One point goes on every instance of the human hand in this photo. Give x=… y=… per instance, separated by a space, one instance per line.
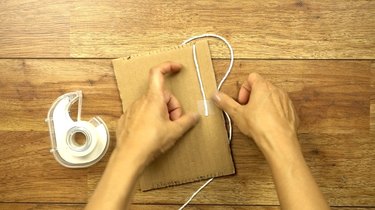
x=264 y=112
x=154 y=122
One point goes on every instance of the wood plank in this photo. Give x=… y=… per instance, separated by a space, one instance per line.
x=372 y=102
x=29 y=87
x=29 y=171
x=40 y=206
x=330 y=96
x=34 y=28
x=107 y=29
x=339 y=162
x=21 y=206
x=276 y=29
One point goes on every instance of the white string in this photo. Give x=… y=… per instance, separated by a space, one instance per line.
x=200 y=81
x=195 y=193
x=229 y=69
x=204 y=95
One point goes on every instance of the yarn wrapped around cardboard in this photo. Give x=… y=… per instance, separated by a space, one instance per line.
x=204 y=152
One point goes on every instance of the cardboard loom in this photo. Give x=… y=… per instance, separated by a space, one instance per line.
x=204 y=151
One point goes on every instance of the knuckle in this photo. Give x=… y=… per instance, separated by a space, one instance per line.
x=245 y=86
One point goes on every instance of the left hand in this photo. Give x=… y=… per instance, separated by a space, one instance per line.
x=154 y=122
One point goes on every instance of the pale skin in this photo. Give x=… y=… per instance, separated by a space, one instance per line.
x=263 y=112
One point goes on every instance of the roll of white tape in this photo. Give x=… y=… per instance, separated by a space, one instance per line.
x=63 y=130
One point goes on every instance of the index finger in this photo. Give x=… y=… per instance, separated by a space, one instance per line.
x=246 y=87
x=157 y=73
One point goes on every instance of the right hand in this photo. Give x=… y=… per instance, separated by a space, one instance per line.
x=264 y=113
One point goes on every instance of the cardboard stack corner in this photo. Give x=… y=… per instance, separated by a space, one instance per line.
x=204 y=151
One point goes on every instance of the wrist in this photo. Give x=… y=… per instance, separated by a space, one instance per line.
x=118 y=180
x=283 y=147
x=128 y=156
x=284 y=160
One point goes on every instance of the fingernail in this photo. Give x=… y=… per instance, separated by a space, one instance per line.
x=216 y=97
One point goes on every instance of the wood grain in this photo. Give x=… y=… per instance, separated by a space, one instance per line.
x=40 y=206
x=257 y=29
x=21 y=206
x=372 y=106
x=335 y=99
x=275 y=29
x=34 y=28
x=332 y=99
x=30 y=173
x=330 y=96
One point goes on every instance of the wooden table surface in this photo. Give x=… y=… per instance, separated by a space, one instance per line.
x=322 y=52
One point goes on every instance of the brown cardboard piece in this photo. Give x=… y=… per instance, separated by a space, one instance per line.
x=204 y=151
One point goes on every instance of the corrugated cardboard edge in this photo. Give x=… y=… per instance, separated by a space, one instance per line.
x=186 y=181
x=165 y=49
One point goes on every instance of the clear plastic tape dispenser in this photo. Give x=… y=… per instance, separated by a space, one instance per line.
x=63 y=130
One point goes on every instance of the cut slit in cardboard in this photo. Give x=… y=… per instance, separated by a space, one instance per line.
x=203 y=152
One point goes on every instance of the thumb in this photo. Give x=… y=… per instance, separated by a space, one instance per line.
x=183 y=124
x=226 y=103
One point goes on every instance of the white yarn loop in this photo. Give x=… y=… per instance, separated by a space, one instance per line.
x=229 y=69
x=230 y=130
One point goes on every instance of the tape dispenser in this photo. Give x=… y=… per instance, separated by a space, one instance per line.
x=64 y=130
